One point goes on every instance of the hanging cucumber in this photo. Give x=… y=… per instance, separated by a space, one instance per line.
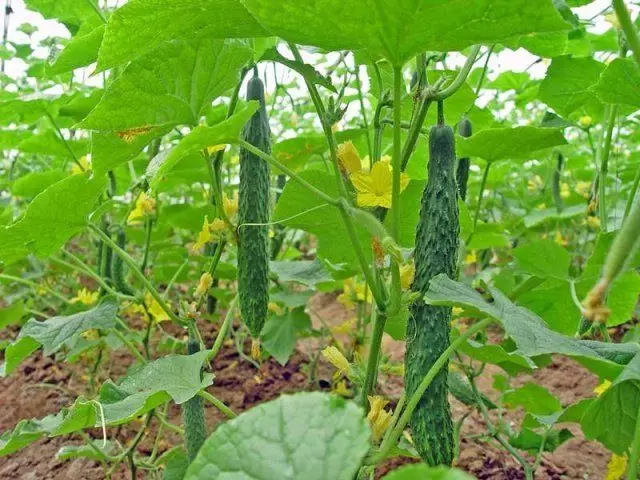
x=118 y=274
x=555 y=182
x=195 y=425
x=253 y=211
x=428 y=327
x=462 y=172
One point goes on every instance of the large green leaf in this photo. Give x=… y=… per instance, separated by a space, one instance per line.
x=141 y=25
x=33 y=183
x=81 y=51
x=49 y=143
x=201 y=137
x=55 y=332
x=399 y=29
x=302 y=209
x=544 y=258
x=67 y=11
x=620 y=83
x=306 y=272
x=569 y=83
x=172 y=85
x=509 y=143
x=424 y=472
x=51 y=219
x=529 y=331
x=314 y=436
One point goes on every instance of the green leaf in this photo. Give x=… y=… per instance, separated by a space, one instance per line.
x=543 y=258
x=423 y=472
x=51 y=219
x=314 y=436
x=81 y=51
x=66 y=11
x=569 y=83
x=172 y=85
x=509 y=143
x=55 y=332
x=534 y=399
x=611 y=419
x=33 y=183
x=69 y=452
x=49 y=143
x=108 y=150
x=12 y=314
x=15 y=353
x=398 y=30
x=200 y=138
x=176 y=463
x=620 y=83
x=552 y=301
x=532 y=441
x=529 y=332
x=306 y=272
x=279 y=333
x=25 y=433
x=307 y=71
x=538 y=217
x=302 y=209
x=140 y=26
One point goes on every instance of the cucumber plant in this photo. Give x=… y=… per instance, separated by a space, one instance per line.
x=214 y=213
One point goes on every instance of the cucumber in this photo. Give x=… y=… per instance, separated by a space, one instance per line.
x=555 y=182
x=117 y=266
x=253 y=208
x=428 y=326
x=195 y=425
x=462 y=171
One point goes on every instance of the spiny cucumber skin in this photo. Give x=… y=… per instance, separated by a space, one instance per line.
x=118 y=268
x=195 y=425
x=253 y=208
x=462 y=172
x=557 y=173
x=428 y=326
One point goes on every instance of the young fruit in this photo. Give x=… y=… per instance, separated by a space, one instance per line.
x=428 y=326
x=117 y=267
x=462 y=173
x=557 y=173
x=253 y=237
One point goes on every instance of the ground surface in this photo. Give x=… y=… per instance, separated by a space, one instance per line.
x=42 y=386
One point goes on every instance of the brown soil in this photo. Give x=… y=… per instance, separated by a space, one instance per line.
x=42 y=386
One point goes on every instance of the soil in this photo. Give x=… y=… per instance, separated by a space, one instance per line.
x=41 y=386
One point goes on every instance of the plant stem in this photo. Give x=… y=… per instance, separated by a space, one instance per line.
x=628 y=28
x=632 y=194
x=289 y=172
x=136 y=272
x=96 y=8
x=483 y=185
x=604 y=166
x=400 y=420
x=397 y=151
x=34 y=285
x=222 y=334
x=129 y=345
x=217 y=403
x=632 y=472
x=373 y=359
x=147 y=243
x=461 y=78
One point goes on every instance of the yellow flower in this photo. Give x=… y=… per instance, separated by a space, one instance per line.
x=338 y=360
x=456 y=311
x=341 y=389
x=256 y=351
x=559 y=239
x=603 y=387
x=374 y=189
x=353 y=292
x=585 y=122
x=156 y=311
x=145 y=205
x=407 y=272
x=235 y=160
x=471 y=258
x=85 y=165
x=593 y=222
x=564 y=191
x=616 y=467
x=345 y=327
x=91 y=334
x=215 y=148
x=541 y=206
x=131 y=309
x=583 y=189
x=206 y=280
x=86 y=297
x=349 y=158
x=206 y=233
x=535 y=183
x=275 y=308
x=230 y=205
x=379 y=418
